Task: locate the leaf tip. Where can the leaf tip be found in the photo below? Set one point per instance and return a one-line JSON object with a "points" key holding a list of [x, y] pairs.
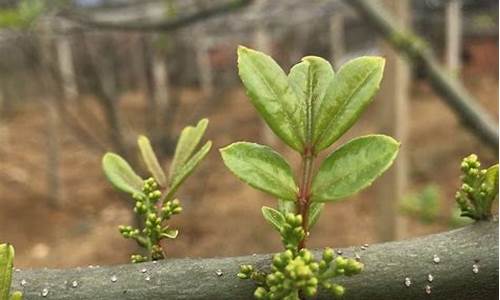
{"points": [[242, 49], [203, 122], [142, 139]]}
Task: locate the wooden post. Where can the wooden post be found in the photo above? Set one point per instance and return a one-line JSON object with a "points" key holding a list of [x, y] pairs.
{"points": [[337, 41], [453, 36], [393, 120]]}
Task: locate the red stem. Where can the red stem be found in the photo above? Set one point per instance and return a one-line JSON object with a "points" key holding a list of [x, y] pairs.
{"points": [[305, 192]]}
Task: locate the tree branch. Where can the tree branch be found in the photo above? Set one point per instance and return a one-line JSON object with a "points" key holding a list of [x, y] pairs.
{"points": [[163, 25], [452, 92], [386, 267]]}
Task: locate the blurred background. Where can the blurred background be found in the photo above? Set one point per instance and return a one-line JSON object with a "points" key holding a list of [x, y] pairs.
{"points": [[82, 77]]}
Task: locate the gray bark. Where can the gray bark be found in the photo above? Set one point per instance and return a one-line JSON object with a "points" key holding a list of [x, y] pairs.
{"points": [[386, 267]]}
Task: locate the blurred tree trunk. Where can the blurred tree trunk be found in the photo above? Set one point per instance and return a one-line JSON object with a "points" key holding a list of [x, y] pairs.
{"points": [[262, 41], [161, 83], [103, 86], [454, 94], [157, 87], [65, 62], [393, 120], [337, 42], [204, 66], [47, 41], [4, 130], [453, 36]]}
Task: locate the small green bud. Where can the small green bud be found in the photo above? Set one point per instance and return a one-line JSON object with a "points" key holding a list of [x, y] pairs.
{"points": [[314, 266], [260, 293], [337, 290], [340, 262], [138, 197], [17, 295], [310, 291], [353, 267], [328, 255], [306, 255]]}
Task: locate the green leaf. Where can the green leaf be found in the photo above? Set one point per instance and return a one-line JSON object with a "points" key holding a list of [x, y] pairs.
{"points": [[273, 217], [350, 92], [120, 174], [270, 92], [187, 169], [353, 166], [188, 141], [262, 168], [310, 79], [6, 263], [314, 213], [286, 206], [151, 161], [170, 233], [457, 220], [491, 180]]}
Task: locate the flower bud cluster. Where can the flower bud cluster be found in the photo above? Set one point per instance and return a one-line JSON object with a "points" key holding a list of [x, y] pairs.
{"points": [[298, 274], [292, 232], [146, 205], [477, 192]]}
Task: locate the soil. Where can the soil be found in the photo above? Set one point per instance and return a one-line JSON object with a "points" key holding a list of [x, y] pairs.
{"points": [[221, 215]]}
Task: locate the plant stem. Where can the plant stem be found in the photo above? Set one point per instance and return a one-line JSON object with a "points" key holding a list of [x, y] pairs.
{"points": [[305, 191]]}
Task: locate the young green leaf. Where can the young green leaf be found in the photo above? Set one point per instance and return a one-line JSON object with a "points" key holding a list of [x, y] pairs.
{"points": [[314, 213], [491, 181], [262, 168], [120, 174], [353, 166], [269, 91], [273, 217], [310, 80], [187, 169], [151, 161], [350, 92], [188, 141], [6, 263], [170, 233], [286, 206]]}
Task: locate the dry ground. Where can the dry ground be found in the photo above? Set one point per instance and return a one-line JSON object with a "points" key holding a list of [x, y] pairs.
{"points": [[221, 215]]}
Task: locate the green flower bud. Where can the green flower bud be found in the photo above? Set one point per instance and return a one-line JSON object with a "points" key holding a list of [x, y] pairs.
{"points": [[337, 290], [353, 267], [314, 267], [310, 291], [328, 255], [340, 262], [306, 255], [260, 293]]}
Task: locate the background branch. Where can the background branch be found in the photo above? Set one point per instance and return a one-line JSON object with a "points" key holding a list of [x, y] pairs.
{"points": [[420, 54], [386, 267], [163, 25]]}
